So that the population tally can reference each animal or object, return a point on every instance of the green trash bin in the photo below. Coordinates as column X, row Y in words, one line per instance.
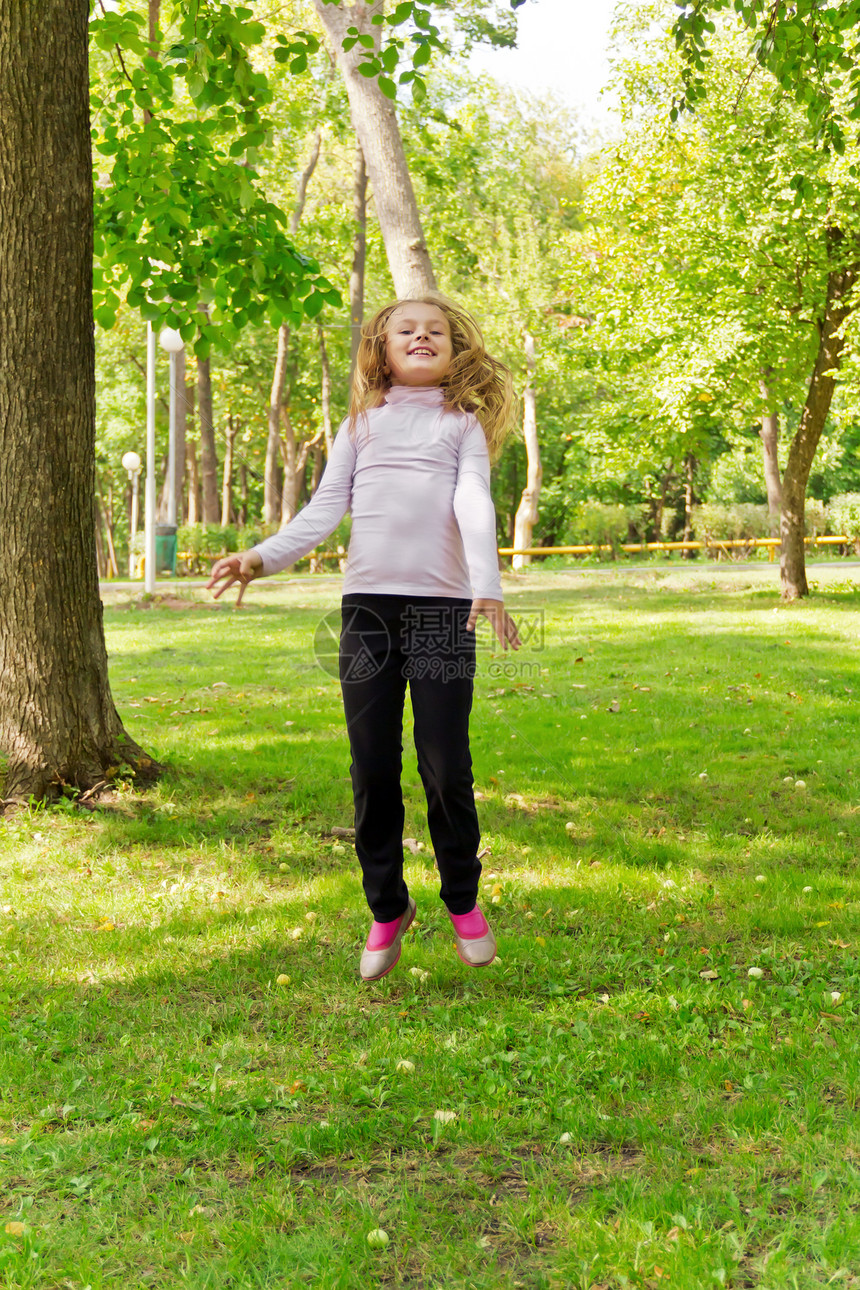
column 165, row 548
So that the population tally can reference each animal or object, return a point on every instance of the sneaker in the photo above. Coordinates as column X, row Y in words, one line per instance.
column 382, row 949
column 474, row 938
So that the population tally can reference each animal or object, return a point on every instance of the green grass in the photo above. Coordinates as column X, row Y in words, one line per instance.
column 172, row 1116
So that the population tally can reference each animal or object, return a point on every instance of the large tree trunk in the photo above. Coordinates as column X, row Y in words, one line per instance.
column 769, row 435
column 359, row 258
column 58, row 723
column 375, row 122
column 527, row 512
column 208, row 452
column 838, row 305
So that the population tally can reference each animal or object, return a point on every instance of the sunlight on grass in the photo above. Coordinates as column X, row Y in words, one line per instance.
column 657, row 1083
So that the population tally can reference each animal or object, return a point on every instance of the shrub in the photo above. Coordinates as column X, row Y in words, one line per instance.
column 743, row 520
column 599, row 524
column 845, row 515
column 202, row 543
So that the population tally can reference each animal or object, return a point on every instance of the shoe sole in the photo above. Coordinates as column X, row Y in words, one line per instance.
column 393, row 965
column 466, row 961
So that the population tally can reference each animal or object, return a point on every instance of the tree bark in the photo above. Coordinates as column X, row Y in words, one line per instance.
column 375, row 123
column 208, row 451
column 359, row 258
column 769, row 435
column 838, row 306
column 58, row 723
column 527, row 511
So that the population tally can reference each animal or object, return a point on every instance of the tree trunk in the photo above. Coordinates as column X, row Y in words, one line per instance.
column 527, row 512
column 208, row 453
column 375, row 122
column 58, row 723
column 243, row 493
column 689, row 500
column 272, row 493
column 227, row 477
column 193, row 516
column 181, row 425
column 272, row 510
column 290, row 490
column 104, row 515
column 838, row 305
column 325, row 394
column 769, row 435
column 359, row 258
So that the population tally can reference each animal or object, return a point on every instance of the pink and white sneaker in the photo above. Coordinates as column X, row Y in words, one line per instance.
column 474, row 938
column 382, row 949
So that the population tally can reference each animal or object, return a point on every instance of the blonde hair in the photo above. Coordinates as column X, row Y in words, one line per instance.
column 475, row 382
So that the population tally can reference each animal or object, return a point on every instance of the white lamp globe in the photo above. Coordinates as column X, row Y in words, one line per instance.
column 171, row 340
column 131, row 462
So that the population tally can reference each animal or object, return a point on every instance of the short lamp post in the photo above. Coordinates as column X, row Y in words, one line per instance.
column 131, row 463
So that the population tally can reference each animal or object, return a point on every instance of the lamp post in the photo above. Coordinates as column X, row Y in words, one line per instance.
column 171, row 341
column 131, row 463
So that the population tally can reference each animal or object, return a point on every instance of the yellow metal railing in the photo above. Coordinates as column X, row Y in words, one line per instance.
column 714, row 544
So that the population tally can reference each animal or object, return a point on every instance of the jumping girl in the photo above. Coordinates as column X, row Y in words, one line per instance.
column 429, row 409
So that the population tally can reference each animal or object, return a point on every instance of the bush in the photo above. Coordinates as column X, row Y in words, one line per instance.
column 198, row 544
column 817, row 518
column 599, row 524
column 743, row 520
column 844, row 511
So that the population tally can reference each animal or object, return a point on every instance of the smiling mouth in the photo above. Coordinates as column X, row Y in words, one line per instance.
column 427, row 353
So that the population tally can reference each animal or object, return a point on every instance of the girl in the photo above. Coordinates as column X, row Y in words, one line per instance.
column 429, row 408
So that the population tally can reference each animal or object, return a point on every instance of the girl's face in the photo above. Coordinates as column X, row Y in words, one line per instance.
column 418, row 345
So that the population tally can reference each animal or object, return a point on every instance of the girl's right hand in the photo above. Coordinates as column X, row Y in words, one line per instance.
column 242, row 568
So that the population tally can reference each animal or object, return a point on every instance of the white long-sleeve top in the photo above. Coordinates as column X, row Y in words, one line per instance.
column 416, row 477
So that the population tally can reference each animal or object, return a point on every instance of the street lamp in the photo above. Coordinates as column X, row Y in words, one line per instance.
column 174, row 344
column 131, row 463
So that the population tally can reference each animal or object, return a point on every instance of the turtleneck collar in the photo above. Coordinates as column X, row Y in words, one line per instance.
column 422, row 396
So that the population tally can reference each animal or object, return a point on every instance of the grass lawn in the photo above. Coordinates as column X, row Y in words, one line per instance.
column 656, row 1085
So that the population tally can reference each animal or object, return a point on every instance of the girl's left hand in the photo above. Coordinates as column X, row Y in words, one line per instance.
column 503, row 625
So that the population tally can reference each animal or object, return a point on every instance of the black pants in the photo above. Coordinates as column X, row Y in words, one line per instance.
column 385, row 642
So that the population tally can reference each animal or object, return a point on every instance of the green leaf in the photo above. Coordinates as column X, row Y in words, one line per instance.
column 401, row 14
column 313, row 305
column 105, row 316
column 388, row 88
column 299, row 64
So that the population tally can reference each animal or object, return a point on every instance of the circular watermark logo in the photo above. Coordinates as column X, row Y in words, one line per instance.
column 360, row 635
